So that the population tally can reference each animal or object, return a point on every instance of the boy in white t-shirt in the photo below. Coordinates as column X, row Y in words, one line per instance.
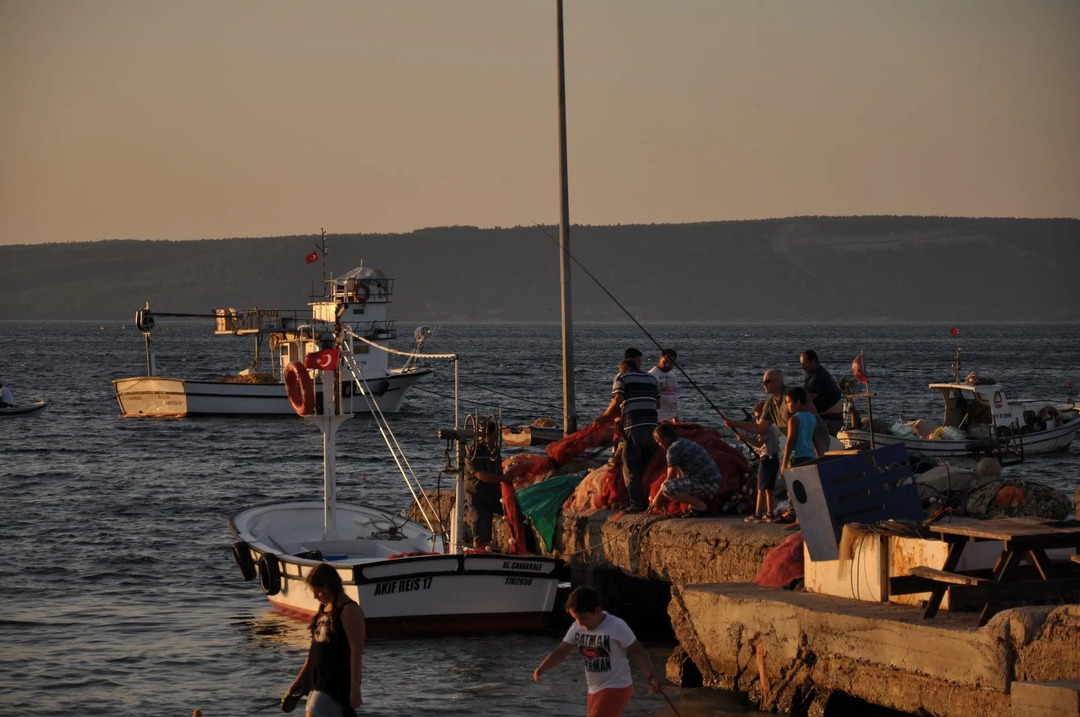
column 604, row 641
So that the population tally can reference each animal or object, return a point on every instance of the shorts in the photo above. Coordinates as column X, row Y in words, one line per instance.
column 767, row 472
column 610, row 702
column 699, row 488
column 320, row 704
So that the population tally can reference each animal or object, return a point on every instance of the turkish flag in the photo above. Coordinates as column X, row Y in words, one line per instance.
column 954, row 331
column 313, row 256
column 323, row 360
column 858, row 367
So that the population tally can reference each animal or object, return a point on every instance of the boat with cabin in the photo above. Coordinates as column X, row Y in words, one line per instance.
column 979, row 419
column 357, row 301
column 409, row 576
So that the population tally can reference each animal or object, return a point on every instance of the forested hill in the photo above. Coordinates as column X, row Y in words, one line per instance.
column 821, row 269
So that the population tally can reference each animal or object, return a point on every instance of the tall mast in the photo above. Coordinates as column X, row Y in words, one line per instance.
column 569, row 412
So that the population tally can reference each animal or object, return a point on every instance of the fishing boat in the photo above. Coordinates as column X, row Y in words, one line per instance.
column 978, row 418
column 358, row 301
column 24, row 410
column 409, row 576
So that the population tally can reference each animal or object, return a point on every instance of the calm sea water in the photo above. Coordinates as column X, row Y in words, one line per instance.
column 119, row 591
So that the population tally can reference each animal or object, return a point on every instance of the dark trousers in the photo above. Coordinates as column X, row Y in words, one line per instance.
column 637, row 452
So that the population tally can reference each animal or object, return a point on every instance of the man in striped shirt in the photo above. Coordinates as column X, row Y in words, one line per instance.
column 635, row 398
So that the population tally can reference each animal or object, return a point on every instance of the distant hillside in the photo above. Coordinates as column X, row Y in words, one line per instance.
column 798, row 269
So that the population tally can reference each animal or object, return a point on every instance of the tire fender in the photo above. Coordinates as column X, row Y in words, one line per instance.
column 269, row 574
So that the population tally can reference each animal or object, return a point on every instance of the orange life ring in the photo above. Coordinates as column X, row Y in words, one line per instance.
column 362, row 293
column 300, row 388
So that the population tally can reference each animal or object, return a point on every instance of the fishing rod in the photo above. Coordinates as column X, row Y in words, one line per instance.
column 634, row 319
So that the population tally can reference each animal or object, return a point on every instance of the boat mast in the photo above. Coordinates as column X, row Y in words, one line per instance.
column 569, row 412
column 328, row 422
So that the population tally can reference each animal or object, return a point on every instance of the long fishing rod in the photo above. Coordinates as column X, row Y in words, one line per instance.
column 634, row 319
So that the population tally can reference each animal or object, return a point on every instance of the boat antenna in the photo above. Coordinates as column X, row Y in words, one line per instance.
column 955, row 331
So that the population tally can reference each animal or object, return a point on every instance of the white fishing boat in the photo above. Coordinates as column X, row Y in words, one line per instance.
column 408, row 576
column 358, row 301
column 979, row 419
column 23, row 410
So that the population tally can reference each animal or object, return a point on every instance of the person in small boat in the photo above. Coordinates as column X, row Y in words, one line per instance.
column 692, row 474
column 664, row 374
column 483, row 476
column 333, row 670
column 635, row 398
column 767, row 446
column 7, row 400
column 824, row 397
column 604, row 641
column 800, row 447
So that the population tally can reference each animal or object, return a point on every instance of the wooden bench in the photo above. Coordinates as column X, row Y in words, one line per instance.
column 942, row 576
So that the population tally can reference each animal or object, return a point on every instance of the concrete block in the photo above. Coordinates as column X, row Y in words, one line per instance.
column 1046, row 699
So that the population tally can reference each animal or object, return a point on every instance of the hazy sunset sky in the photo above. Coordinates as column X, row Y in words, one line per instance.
column 190, row 119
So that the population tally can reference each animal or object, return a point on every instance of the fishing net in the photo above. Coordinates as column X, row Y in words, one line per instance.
column 570, row 447
column 1012, row 498
column 542, row 502
column 524, row 469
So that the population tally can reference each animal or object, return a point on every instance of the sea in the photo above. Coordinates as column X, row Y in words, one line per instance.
column 120, row 594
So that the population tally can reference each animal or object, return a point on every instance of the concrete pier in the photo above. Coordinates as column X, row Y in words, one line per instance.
column 803, row 653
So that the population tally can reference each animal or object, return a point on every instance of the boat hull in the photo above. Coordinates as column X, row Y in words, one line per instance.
column 418, row 592
column 26, row 410
column 156, row 396
column 1050, row 440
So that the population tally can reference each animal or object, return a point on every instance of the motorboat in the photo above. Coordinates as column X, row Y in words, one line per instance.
column 979, row 418
column 24, row 410
column 409, row 576
column 358, row 301
column 540, row 432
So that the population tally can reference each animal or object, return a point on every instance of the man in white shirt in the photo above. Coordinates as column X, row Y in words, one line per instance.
column 664, row 374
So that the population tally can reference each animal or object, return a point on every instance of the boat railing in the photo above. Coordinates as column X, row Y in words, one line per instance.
column 373, row 330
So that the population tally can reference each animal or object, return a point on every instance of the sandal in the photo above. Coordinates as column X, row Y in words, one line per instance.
column 768, row 518
column 755, row 518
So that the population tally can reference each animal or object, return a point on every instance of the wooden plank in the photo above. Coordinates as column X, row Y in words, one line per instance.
column 1026, row 529
column 923, row 571
column 1075, row 558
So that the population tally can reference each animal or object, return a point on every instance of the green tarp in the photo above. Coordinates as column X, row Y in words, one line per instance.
column 541, row 503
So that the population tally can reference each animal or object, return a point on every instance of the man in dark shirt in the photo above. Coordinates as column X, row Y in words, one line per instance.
column 824, row 396
column 483, row 476
column 635, row 398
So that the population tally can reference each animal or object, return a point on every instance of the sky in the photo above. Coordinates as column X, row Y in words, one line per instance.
column 193, row 119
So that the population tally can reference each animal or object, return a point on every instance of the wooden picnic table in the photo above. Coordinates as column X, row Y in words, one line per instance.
column 1022, row 538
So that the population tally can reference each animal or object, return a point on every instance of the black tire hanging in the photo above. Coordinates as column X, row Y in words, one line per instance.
column 243, row 560
column 269, row 574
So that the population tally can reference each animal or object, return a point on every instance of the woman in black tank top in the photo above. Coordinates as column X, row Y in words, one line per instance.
column 333, row 670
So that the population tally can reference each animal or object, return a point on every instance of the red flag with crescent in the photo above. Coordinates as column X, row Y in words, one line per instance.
column 954, row 331
column 858, row 367
column 323, row 360
column 312, row 257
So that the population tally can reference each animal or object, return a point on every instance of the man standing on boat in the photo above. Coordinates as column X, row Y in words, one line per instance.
column 483, row 475
column 635, row 398
column 669, row 387
column 823, row 395
column 7, row 400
